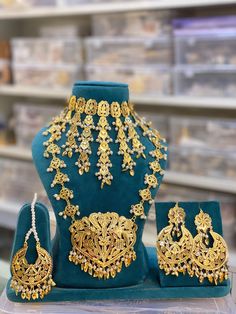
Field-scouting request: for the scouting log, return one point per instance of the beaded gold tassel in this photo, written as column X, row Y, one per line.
column 104, row 151
column 86, row 137
column 133, row 137
column 124, row 150
column 72, row 133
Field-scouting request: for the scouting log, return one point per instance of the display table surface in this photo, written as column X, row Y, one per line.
column 223, row 305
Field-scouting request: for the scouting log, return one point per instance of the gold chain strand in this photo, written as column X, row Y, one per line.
column 86, row 137
column 124, row 150
column 104, row 150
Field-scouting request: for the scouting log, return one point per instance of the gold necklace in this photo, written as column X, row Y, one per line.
column 101, row 242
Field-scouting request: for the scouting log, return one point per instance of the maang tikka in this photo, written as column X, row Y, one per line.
column 210, row 252
column 32, row 281
column 174, row 244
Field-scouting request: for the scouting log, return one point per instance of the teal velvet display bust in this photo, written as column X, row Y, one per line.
column 116, row 196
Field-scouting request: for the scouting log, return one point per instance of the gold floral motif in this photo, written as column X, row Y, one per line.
column 32, row 281
column 209, row 259
column 174, row 244
column 102, row 243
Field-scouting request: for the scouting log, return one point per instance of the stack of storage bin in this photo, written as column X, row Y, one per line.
column 205, row 54
column 19, row 181
column 29, row 119
column 203, row 146
column 46, row 62
column 135, row 48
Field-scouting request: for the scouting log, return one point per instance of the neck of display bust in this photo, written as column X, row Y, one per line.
column 99, row 91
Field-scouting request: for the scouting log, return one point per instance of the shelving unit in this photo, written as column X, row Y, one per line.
column 123, row 6
column 147, row 100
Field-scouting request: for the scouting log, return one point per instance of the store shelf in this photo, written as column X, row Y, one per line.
column 168, row 101
column 209, row 183
column 15, row 152
column 30, row 91
column 123, row 6
column 186, row 102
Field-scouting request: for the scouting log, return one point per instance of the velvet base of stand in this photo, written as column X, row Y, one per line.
column 150, row 289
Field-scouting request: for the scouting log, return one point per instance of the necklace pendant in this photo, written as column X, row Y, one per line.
column 102, row 243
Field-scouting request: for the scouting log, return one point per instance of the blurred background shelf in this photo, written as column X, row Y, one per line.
column 145, row 100
column 203, row 182
column 24, row 91
column 123, row 6
column 15, row 152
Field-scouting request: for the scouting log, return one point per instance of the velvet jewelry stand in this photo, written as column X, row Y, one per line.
column 140, row 279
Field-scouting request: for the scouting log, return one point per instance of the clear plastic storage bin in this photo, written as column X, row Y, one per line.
column 201, row 131
column 29, row 119
column 121, row 50
column 205, row 81
column 19, row 181
column 154, row 80
column 144, row 23
column 46, row 51
column 46, row 76
column 5, row 73
column 203, row 161
column 206, row 49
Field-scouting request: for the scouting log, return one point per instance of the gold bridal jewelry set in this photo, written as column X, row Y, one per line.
column 102, row 243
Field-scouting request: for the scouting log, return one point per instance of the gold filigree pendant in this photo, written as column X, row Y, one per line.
column 209, row 259
column 174, row 244
column 102, row 243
